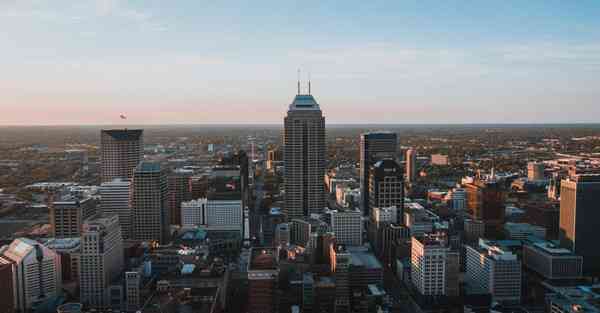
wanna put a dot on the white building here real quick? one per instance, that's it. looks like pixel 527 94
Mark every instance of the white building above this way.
pixel 37 272
pixel 428 264
pixel 193 212
pixel 384 215
pixel 347 226
pixel 101 259
pixel 115 199
pixel 225 215
pixel 493 269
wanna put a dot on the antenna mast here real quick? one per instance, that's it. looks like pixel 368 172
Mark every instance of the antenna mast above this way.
pixel 298 81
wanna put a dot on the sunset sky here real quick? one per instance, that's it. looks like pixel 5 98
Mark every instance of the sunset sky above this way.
pixel 196 61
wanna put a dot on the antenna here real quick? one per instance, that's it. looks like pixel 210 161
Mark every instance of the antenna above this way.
pixel 298 81
pixel 309 82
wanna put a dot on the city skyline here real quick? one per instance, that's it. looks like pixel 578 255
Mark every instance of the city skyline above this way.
pixel 87 62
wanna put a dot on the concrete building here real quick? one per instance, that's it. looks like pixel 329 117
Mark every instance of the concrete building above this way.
pixel 522 231
pixel 282 235
pixel 180 190
pixel 150 203
pixel 347 226
pixel 304 157
pixel 225 215
pixel 374 146
pixel 340 267
pixel 37 273
pixel 495 270
pixel 535 171
pixel 69 251
pixel 580 195
pixel 263 272
pixel 101 259
pixel 115 199
pixel 121 150
pixel 386 185
pixel 551 261
pixel 428 264
pixel 411 165
pixel 194 212
pixel 68 214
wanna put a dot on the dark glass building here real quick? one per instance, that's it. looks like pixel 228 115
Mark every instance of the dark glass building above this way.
pixel 386 186
pixel 579 216
pixel 374 146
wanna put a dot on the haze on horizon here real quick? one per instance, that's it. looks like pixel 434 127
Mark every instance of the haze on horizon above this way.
pixel 395 62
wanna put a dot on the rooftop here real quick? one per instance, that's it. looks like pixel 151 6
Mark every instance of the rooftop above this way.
pixel 304 102
pixel 124 134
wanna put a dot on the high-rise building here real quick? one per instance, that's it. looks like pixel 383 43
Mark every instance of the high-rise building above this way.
pixel 495 270
pixel 340 266
pixel 485 201
pixel 263 272
pixel 37 273
pixel 535 171
pixel 180 189
pixel 150 203
pixel 411 165
pixel 386 186
pixel 373 147
pixel 101 259
pixel 121 151
pixel 347 226
pixel 579 213
pixel 68 214
pixel 7 274
pixel 428 264
pixel 304 157
pixel 115 198
pixel 239 160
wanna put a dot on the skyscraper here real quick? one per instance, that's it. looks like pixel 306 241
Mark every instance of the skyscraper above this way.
pixel 101 259
pixel 37 272
pixel 115 198
pixel 386 186
pixel 304 157
pixel 373 147
pixel 68 214
pixel 150 203
pixel 579 213
pixel 485 202
pixel 121 151
pixel 180 189
pixel 411 165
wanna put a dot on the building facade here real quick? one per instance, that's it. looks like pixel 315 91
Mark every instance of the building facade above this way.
pixel 37 272
pixel 150 203
pixel 115 198
pixel 304 157
pixel 120 150
pixel 386 186
pixel 67 216
pixel 374 146
pixel 579 199
pixel 101 259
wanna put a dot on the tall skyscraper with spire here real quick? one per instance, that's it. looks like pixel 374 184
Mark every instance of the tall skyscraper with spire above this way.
pixel 304 156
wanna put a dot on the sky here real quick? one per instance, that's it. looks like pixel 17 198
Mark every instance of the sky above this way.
pixel 208 62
